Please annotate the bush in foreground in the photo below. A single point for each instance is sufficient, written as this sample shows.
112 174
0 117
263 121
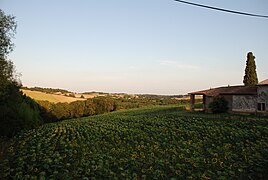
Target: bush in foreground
219 105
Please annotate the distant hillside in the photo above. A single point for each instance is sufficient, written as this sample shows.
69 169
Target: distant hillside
62 92
61 95
54 98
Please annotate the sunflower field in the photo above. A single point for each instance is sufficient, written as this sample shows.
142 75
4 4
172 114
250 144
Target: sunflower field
149 143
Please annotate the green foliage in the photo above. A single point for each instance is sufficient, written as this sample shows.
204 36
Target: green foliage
157 143
8 27
17 112
90 108
51 112
7 31
219 105
7 76
104 104
46 111
77 109
250 78
60 110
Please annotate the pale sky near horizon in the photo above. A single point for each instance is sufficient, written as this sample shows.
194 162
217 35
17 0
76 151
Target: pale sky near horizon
152 46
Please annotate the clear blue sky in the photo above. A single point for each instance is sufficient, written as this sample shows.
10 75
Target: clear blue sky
152 46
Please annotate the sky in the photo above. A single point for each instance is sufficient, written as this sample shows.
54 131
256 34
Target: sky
139 47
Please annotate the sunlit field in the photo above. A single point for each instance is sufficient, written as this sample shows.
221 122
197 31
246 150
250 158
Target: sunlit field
54 98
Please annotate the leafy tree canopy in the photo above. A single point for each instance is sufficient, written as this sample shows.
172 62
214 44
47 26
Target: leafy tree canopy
7 71
7 31
17 111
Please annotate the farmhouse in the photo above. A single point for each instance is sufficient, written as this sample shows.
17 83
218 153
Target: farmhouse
241 99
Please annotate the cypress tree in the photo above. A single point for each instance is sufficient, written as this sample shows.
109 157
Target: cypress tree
250 78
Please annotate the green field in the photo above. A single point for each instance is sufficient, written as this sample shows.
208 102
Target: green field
150 143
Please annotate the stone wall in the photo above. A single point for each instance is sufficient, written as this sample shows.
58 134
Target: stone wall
208 100
229 99
263 96
244 103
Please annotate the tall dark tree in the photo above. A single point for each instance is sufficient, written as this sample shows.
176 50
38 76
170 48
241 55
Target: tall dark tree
7 31
7 73
250 77
17 111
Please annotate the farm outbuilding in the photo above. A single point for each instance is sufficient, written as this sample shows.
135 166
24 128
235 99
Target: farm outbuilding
241 99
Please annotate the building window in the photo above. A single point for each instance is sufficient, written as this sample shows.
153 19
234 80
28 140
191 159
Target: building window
261 106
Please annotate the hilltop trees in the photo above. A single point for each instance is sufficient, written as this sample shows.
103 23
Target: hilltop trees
250 77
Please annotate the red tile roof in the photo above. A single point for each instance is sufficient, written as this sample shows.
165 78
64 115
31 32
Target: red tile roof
265 82
231 90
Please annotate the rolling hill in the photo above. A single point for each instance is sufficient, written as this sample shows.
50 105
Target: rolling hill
54 98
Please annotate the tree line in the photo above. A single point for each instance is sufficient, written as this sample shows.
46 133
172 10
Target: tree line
52 112
47 90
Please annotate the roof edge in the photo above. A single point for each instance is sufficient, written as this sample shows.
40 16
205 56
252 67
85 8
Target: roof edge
228 90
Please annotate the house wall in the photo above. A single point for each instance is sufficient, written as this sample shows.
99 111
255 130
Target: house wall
207 101
244 103
229 99
263 96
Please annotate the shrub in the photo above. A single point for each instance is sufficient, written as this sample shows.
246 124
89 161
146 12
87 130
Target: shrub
219 105
71 95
